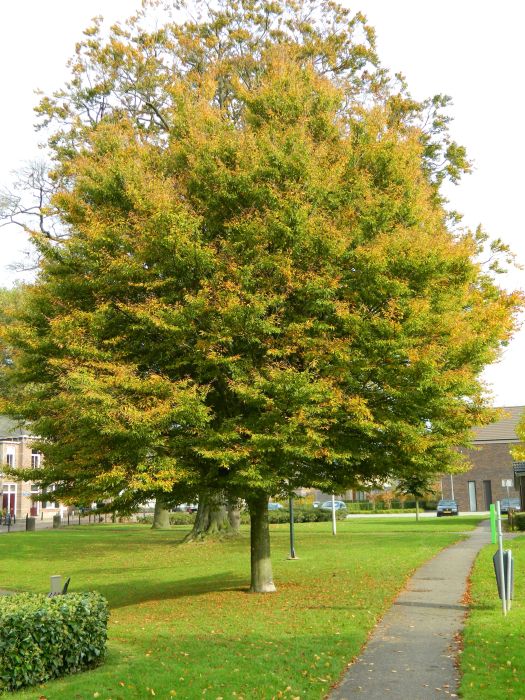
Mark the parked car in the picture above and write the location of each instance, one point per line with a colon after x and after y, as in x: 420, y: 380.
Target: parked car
x: 275, y: 506
x: 186, y: 508
x: 507, y: 503
x: 445, y: 507
x: 338, y: 505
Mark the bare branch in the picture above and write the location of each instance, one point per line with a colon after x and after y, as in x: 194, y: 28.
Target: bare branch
x: 159, y: 116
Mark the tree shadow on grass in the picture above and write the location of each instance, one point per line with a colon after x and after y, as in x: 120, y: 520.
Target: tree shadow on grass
x: 136, y: 591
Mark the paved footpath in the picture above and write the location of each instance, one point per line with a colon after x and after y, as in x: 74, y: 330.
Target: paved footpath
x: 411, y: 653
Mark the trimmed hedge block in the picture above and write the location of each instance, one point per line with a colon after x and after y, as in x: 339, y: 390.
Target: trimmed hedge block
x: 43, y: 638
x: 305, y: 515
x: 519, y: 520
x: 179, y: 518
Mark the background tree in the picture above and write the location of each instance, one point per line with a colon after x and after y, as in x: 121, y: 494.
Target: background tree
x: 418, y: 486
x: 217, y: 514
x: 260, y: 288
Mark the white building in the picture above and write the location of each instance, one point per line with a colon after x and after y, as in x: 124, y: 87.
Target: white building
x: 16, y: 451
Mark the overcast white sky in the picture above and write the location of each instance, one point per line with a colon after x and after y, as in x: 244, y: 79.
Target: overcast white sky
x: 471, y: 50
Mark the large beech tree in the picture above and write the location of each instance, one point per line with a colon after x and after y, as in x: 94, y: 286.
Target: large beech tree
x: 260, y: 287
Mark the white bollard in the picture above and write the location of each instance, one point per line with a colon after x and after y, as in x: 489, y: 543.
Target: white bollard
x: 500, y: 557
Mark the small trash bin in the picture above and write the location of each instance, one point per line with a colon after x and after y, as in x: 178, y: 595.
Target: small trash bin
x: 57, y: 520
x: 31, y: 524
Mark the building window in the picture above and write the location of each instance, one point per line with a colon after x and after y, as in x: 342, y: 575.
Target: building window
x: 10, y: 457
x: 472, y: 498
x: 35, y: 459
x: 487, y: 494
x: 9, y: 498
x: 50, y: 504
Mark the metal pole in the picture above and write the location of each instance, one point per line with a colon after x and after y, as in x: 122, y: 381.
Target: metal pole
x: 452, y: 487
x: 500, y: 557
x: 292, y: 545
x: 334, y: 526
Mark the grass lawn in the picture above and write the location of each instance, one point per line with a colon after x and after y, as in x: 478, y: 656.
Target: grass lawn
x: 183, y: 624
x: 493, y: 660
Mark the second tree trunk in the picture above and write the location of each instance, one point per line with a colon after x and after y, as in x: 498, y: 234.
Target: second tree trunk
x: 261, y: 563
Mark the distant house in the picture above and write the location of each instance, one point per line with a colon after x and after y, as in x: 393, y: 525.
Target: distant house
x: 492, y: 466
x: 16, y: 451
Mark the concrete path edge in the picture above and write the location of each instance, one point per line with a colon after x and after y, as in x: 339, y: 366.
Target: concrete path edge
x: 412, y: 652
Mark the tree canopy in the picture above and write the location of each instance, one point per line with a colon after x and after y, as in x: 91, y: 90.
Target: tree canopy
x: 260, y: 286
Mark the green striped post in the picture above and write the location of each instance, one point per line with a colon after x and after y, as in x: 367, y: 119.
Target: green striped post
x: 493, y: 523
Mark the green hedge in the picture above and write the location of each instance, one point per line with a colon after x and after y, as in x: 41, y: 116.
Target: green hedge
x: 182, y: 518
x: 178, y: 518
x: 43, y: 638
x: 393, y: 507
x: 519, y: 521
x: 388, y: 511
x: 304, y: 515
x: 301, y: 515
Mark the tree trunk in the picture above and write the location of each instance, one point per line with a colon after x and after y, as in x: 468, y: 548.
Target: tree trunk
x: 417, y: 509
x: 217, y: 519
x: 211, y: 518
x: 234, y: 515
x: 261, y: 563
x: 161, y: 516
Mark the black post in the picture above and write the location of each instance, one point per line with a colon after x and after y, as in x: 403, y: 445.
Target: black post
x: 79, y: 517
x: 27, y: 518
x: 292, y: 547
x: 68, y: 517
